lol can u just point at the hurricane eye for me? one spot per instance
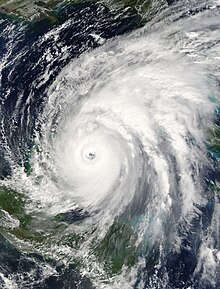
(91, 155)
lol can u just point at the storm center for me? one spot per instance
(91, 155)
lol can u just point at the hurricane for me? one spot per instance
(108, 145)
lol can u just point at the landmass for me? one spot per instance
(39, 9)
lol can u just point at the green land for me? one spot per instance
(40, 9)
